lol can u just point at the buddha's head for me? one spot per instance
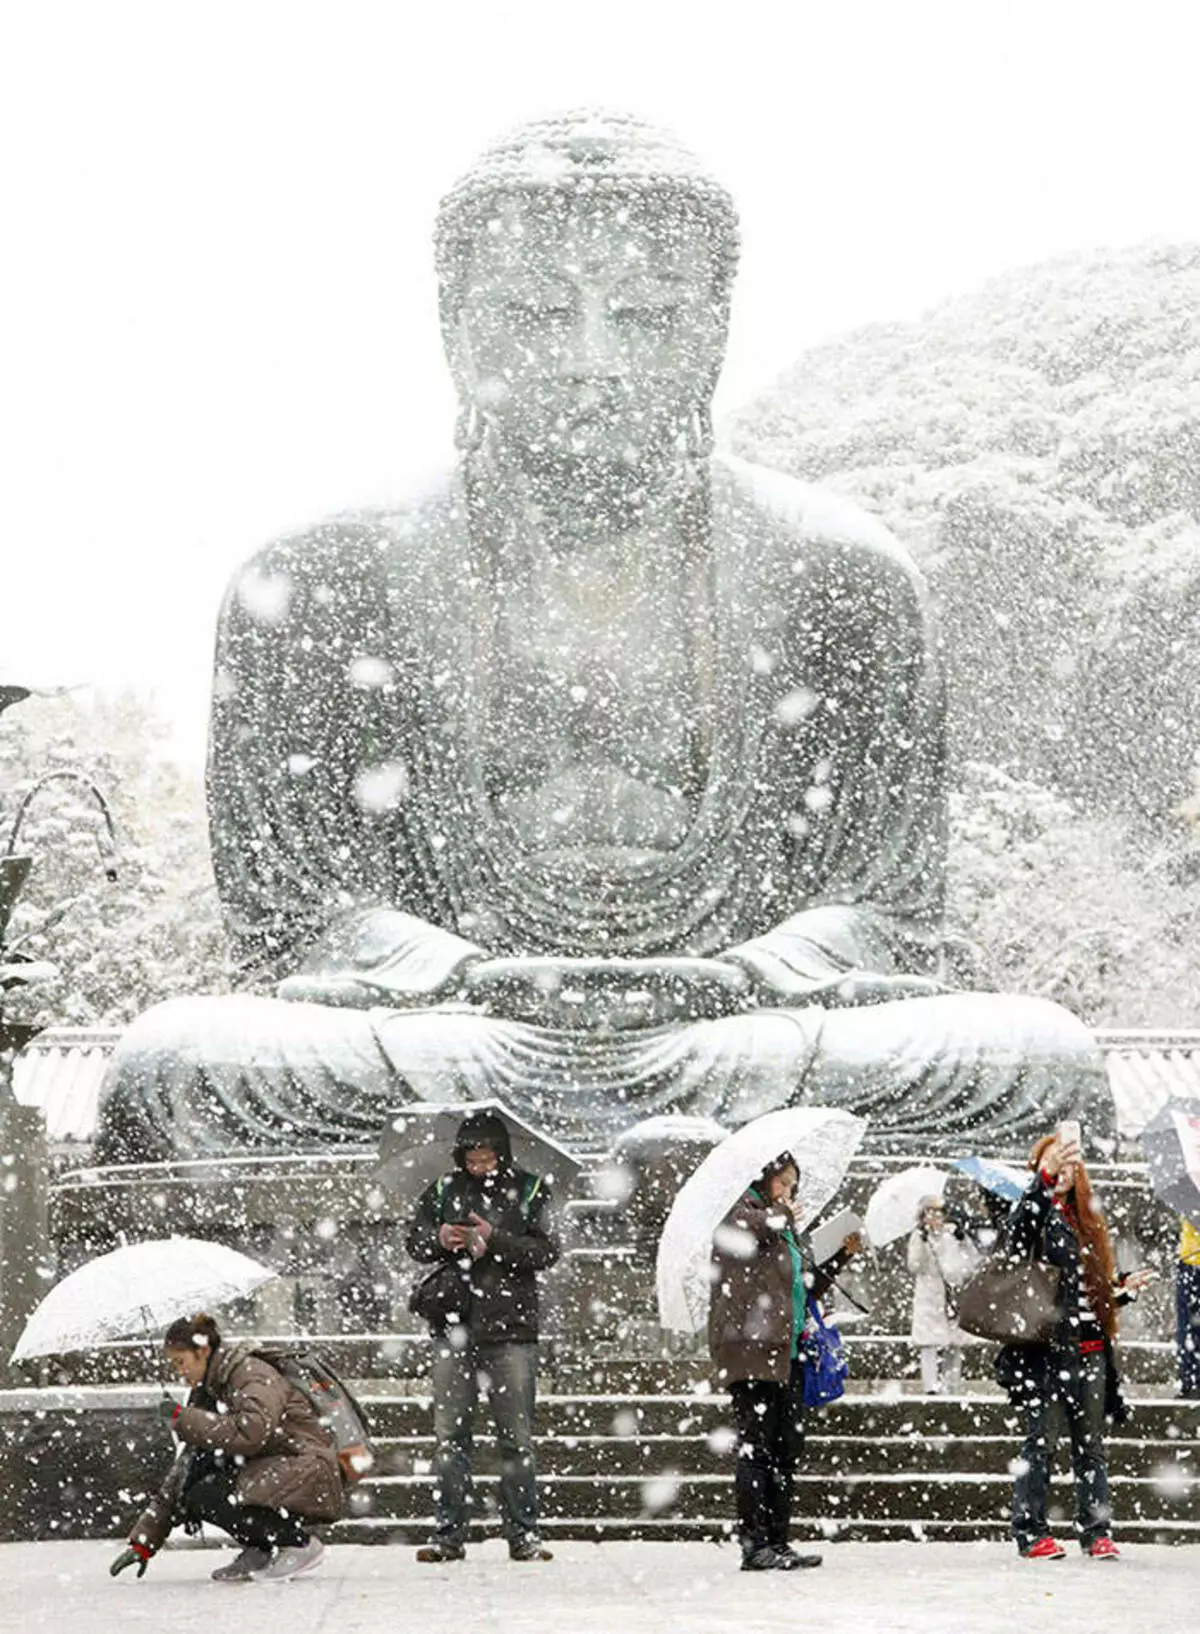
(585, 265)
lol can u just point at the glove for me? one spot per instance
(135, 1552)
(169, 1410)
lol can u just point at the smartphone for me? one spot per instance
(1069, 1133)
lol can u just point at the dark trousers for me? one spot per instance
(1187, 1326)
(770, 1441)
(508, 1372)
(253, 1525)
(1076, 1405)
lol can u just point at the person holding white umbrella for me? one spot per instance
(264, 1463)
(764, 1287)
(941, 1257)
(729, 1259)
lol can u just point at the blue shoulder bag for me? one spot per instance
(825, 1366)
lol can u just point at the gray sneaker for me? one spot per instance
(293, 1560)
(243, 1567)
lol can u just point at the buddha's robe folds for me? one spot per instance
(400, 781)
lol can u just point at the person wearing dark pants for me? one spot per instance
(508, 1373)
(1069, 1383)
(485, 1229)
(757, 1316)
(769, 1420)
(257, 1461)
(1081, 1415)
(255, 1526)
(1187, 1309)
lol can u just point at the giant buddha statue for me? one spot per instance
(608, 776)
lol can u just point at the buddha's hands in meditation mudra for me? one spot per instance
(388, 959)
(616, 994)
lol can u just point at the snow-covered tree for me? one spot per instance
(120, 944)
(1037, 447)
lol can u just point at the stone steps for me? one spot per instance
(831, 1455)
(966, 1497)
(859, 1414)
(75, 1462)
(872, 1357)
(418, 1529)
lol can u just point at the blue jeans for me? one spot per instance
(1082, 1414)
(509, 1374)
(1187, 1326)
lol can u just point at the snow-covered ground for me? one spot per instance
(611, 1588)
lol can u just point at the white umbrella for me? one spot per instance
(137, 1290)
(896, 1202)
(821, 1139)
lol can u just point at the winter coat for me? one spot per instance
(750, 1309)
(286, 1458)
(1038, 1230)
(939, 1262)
(502, 1303)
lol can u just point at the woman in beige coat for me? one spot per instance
(941, 1260)
(264, 1463)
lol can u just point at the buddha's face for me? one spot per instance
(589, 329)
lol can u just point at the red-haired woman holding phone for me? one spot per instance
(1071, 1383)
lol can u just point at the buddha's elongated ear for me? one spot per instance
(456, 340)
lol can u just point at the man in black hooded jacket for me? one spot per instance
(486, 1222)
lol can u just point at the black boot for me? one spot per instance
(790, 1561)
(760, 1559)
(437, 1553)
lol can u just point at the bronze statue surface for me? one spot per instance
(608, 776)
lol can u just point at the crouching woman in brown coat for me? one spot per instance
(257, 1462)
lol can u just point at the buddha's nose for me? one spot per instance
(593, 349)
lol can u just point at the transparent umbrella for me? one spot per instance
(896, 1202)
(821, 1139)
(1171, 1142)
(137, 1290)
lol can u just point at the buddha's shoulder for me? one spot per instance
(354, 545)
(790, 514)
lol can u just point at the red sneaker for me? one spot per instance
(1104, 1549)
(1046, 1549)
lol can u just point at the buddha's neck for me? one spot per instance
(575, 507)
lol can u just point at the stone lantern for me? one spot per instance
(24, 1240)
(23, 1156)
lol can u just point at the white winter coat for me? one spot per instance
(938, 1262)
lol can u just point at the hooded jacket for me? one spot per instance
(501, 1286)
(248, 1412)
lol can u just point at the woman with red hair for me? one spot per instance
(1071, 1382)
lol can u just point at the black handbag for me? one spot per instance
(442, 1297)
(1012, 1302)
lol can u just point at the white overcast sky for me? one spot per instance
(216, 302)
